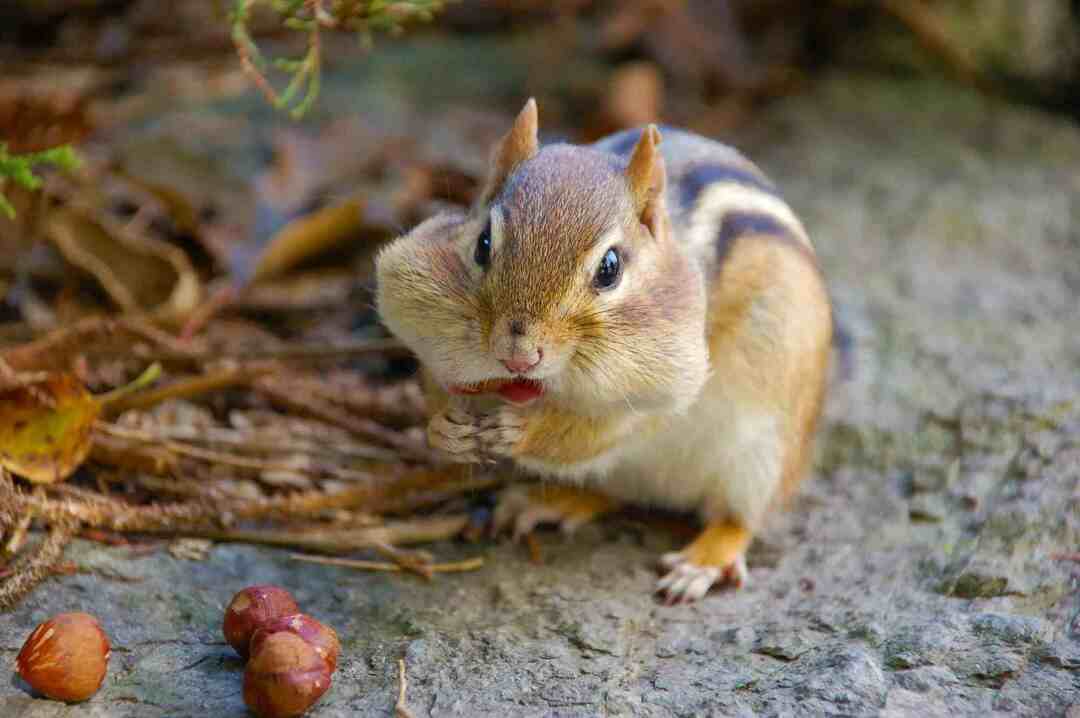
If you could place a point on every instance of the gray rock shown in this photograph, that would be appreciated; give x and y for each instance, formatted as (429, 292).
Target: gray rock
(928, 507)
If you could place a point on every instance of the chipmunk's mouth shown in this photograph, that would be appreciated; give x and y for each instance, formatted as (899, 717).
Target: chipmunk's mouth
(517, 391)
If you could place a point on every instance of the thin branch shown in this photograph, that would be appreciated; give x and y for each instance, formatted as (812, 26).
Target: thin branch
(335, 540)
(277, 390)
(193, 386)
(36, 568)
(401, 708)
(234, 460)
(471, 564)
(56, 349)
(16, 536)
(307, 354)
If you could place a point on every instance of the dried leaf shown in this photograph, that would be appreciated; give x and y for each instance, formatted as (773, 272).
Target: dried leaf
(45, 428)
(309, 235)
(140, 276)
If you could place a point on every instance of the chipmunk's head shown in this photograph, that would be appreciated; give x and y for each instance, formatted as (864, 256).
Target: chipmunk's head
(562, 282)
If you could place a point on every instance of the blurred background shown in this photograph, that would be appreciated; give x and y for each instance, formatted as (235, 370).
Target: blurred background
(187, 172)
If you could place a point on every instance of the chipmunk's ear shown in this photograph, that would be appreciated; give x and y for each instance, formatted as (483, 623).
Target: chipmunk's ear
(519, 144)
(647, 179)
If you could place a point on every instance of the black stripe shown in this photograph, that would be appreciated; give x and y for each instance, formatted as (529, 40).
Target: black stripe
(694, 182)
(625, 143)
(736, 224)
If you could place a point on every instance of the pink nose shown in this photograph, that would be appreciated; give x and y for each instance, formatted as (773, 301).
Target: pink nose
(519, 364)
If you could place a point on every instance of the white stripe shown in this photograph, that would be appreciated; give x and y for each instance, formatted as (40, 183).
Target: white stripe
(720, 198)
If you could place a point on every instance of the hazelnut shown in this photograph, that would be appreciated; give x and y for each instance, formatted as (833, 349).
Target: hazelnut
(66, 657)
(320, 636)
(252, 608)
(285, 677)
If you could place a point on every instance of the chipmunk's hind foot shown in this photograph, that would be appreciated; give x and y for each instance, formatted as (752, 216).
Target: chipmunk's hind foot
(717, 555)
(526, 507)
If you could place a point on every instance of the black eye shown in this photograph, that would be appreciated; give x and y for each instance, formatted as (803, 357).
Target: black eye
(482, 255)
(609, 271)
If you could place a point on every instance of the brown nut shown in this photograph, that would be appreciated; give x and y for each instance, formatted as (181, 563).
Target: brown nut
(320, 636)
(284, 677)
(66, 657)
(251, 609)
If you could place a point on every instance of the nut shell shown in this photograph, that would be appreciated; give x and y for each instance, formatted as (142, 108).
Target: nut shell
(66, 657)
(285, 677)
(320, 636)
(251, 609)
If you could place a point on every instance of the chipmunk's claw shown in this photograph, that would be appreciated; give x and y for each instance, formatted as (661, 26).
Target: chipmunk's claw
(716, 555)
(686, 581)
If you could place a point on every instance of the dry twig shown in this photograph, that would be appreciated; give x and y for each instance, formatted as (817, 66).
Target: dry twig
(401, 708)
(471, 564)
(338, 540)
(278, 391)
(190, 387)
(56, 349)
(33, 570)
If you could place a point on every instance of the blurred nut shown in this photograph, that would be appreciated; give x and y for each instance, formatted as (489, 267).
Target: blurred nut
(251, 609)
(318, 635)
(66, 657)
(284, 677)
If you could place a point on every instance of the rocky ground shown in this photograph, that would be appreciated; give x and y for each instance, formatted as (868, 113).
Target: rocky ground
(925, 569)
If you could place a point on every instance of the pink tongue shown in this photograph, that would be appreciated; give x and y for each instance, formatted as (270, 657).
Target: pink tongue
(520, 390)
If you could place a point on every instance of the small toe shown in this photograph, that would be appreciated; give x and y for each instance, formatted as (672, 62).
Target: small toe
(737, 574)
(672, 559)
(687, 582)
(699, 585)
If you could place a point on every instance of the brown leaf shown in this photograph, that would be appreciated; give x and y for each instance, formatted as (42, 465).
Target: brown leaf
(45, 428)
(140, 275)
(309, 235)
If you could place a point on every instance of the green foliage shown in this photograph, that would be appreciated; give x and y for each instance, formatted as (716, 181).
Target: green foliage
(361, 17)
(20, 168)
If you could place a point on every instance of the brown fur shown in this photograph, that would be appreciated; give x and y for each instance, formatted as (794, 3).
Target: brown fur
(785, 366)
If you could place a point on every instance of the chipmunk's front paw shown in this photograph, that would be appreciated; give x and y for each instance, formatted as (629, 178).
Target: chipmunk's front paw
(718, 554)
(465, 437)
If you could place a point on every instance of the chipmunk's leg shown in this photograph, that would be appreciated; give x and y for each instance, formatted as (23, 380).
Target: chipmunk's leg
(528, 506)
(718, 553)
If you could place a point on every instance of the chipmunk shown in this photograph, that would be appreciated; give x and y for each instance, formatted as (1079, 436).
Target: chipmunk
(639, 321)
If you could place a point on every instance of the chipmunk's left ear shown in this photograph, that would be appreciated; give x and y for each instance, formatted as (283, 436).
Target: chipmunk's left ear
(648, 179)
(519, 144)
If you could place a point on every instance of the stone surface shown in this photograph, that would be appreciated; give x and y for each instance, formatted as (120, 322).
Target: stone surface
(949, 228)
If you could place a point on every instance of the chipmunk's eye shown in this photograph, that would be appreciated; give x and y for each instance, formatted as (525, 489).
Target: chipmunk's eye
(482, 255)
(609, 271)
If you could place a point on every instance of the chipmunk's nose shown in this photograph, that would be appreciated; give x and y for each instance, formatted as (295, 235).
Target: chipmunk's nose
(523, 362)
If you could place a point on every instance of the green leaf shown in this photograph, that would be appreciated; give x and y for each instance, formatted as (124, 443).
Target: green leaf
(19, 168)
